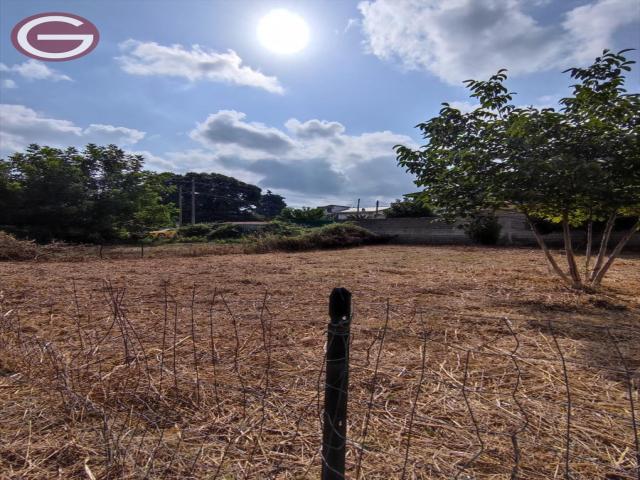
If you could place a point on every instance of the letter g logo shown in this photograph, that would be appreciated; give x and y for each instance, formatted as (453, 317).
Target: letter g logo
(55, 37)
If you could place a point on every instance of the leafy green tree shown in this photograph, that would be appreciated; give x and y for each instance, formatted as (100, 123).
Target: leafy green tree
(99, 194)
(218, 197)
(412, 205)
(271, 205)
(576, 165)
(302, 215)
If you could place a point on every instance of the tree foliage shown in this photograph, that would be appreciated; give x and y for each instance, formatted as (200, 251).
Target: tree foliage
(412, 205)
(218, 197)
(302, 215)
(98, 194)
(270, 205)
(577, 165)
(103, 194)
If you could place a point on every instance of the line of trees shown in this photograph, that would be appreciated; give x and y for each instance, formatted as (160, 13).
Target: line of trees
(103, 194)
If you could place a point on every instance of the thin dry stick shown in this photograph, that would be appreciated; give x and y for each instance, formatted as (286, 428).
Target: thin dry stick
(224, 455)
(152, 457)
(77, 317)
(634, 424)
(195, 460)
(374, 382)
(415, 399)
(266, 342)
(473, 418)
(213, 351)
(236, 355)
(193, 343)
(164, 332)
(567, 472)
(514, 434)
(175, 339)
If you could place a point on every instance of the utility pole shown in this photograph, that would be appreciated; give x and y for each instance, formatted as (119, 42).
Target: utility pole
(377, 204)
(358, 207)
(180, 205)
(193, 200)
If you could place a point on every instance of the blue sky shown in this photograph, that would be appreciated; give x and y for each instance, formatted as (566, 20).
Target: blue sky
(188, 84)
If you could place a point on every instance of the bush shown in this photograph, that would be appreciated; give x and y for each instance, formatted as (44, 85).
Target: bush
(13, 249)
(194, 239)
(332, 236)
(413, 206)
(194, 230)
(224, 232)
(484, 230)
(301, 215)
(281, 229)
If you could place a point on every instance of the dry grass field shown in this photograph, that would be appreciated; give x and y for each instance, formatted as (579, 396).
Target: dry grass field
(470, 363)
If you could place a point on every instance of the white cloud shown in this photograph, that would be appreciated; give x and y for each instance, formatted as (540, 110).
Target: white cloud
(314, 128)
(315, 160)
(8, 83)
(105, 134)
(592, 25)
(464, 106)
(227, 127)
(22, 126)
(150, 58)
(460, 39)
(351, 23)
(34, 70)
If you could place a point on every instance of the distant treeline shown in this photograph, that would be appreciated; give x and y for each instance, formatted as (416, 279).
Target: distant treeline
(103, 194)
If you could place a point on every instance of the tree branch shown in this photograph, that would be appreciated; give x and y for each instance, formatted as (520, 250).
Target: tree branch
(604, 242)
(589, 246)
(547, 253)
(568, 248)
(599, 275)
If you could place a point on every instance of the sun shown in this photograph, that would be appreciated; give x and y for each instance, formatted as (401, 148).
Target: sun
(282, 31)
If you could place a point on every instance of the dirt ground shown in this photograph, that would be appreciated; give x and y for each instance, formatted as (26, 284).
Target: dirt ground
(465, 361)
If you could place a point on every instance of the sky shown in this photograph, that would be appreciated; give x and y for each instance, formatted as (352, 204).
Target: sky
(192, 86)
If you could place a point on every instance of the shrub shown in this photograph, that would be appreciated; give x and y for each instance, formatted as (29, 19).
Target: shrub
(194, 239)
(13, 249)
(413, 206)
(301, 215)
(331, 236)
(282, 229)
(194, 230)
(225, 231)
(484, 230)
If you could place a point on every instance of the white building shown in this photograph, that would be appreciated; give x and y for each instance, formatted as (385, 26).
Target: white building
(333, 209)
(362, 213)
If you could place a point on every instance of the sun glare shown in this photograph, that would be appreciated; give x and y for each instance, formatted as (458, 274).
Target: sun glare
(282, 31)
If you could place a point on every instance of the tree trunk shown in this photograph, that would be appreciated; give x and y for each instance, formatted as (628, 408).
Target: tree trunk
(604, 242)
(547, 254)
(568, 247)
(599, 275)
(587, 254)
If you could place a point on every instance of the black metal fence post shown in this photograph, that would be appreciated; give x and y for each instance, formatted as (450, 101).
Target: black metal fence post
(334, 434)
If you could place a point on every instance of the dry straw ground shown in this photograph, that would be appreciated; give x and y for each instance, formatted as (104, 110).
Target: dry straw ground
(464, 362)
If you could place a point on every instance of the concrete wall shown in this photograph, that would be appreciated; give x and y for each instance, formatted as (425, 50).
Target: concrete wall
(515, 231)
(416, 230)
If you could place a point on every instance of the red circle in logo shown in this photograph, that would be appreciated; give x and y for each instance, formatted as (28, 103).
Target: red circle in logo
(55, 36)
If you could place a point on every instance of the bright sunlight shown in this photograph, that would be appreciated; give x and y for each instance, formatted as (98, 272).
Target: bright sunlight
(282, 31)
